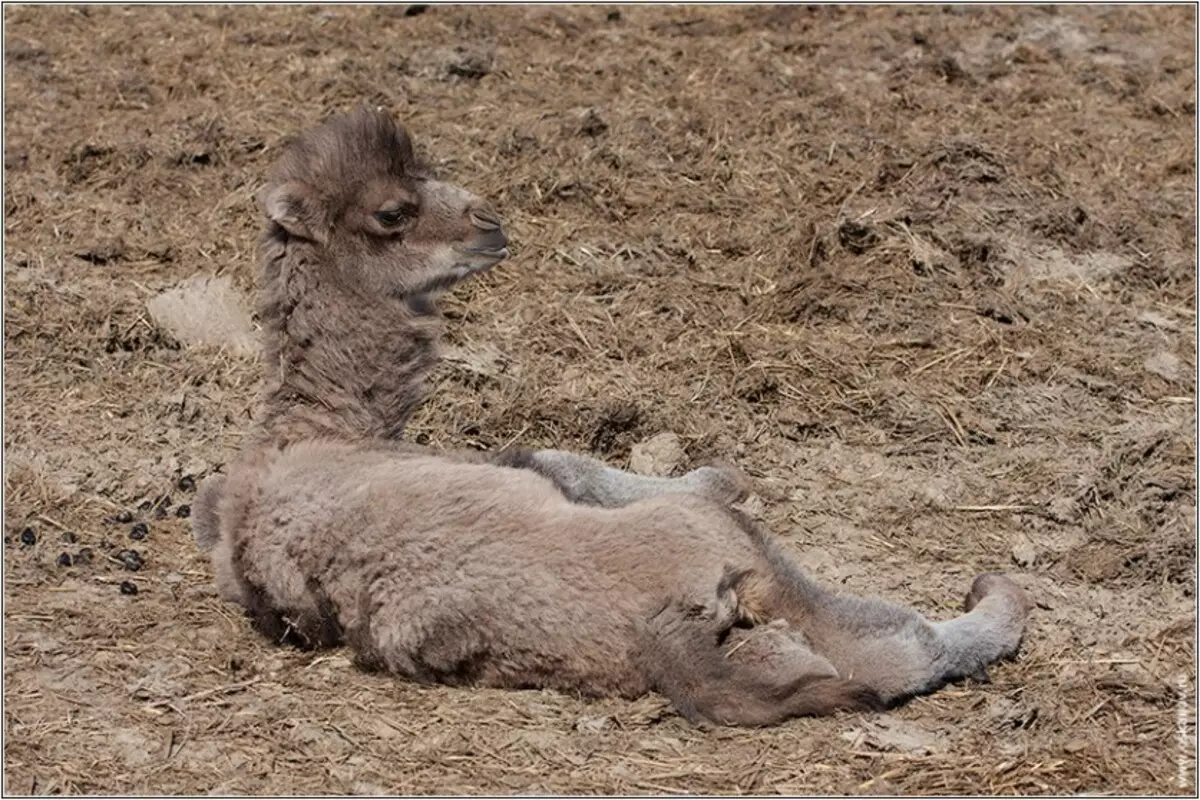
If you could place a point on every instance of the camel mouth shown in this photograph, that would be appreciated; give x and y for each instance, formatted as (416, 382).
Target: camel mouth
(489, 256)
(498, 253)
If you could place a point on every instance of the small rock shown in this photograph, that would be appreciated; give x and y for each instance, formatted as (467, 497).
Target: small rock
(1010, 715)
(659, 455)
(593, 724)
(29, 537)
(184, 511)
(1075, 745)
(482, 359)
(1062, 509)
(173, 578)
(463, 62)
(129, 587)
(206, 311)
(1156, 320)
(64, 560)
(139, 531)
(1165, 365)
(1024, 554)
(899, 736)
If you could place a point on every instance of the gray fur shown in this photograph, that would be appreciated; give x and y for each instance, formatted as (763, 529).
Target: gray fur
(591, 482)
(443, 571)
(519, 569)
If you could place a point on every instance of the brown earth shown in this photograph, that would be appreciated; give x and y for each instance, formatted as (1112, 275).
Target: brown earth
(927, 274)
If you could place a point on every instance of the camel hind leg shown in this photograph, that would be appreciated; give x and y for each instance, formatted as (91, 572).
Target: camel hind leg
(754, 677)
(889, 647)
(898, 652)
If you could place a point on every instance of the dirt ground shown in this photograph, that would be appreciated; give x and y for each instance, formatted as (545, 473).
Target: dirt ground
(926, 274)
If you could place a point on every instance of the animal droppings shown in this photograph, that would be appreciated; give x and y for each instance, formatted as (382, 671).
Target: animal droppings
(162, 507)
(84, 556)
(122, 517)
(187, 484)
(184, 511)
(139, 531)
(131, 559)
(63, 560)
(29, 537)
(68, 537)
(129, 587)
(592, 124)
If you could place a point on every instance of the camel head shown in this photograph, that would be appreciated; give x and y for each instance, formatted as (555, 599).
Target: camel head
(354, 194)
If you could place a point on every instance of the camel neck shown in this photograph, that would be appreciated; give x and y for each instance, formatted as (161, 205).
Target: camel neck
(339, 362)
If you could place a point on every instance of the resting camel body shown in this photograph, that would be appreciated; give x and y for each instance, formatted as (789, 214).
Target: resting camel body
(527, 569)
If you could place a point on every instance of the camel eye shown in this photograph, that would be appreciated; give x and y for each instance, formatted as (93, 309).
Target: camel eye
(392, 217)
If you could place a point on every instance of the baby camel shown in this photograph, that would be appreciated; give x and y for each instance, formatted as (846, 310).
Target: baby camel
(458, 568)
(361, 241)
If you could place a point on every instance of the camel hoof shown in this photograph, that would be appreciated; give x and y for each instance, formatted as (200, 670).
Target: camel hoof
(993, 583)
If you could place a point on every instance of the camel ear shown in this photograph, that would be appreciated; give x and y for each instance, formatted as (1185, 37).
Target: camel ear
(294, 206)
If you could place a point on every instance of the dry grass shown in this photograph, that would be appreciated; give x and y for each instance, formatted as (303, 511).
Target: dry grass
(927, 274)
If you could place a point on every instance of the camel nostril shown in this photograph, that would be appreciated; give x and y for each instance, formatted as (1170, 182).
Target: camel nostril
(484, 220)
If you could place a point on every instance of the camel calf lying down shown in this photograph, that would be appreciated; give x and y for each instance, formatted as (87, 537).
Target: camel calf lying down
(459, 573)
(524, 569)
